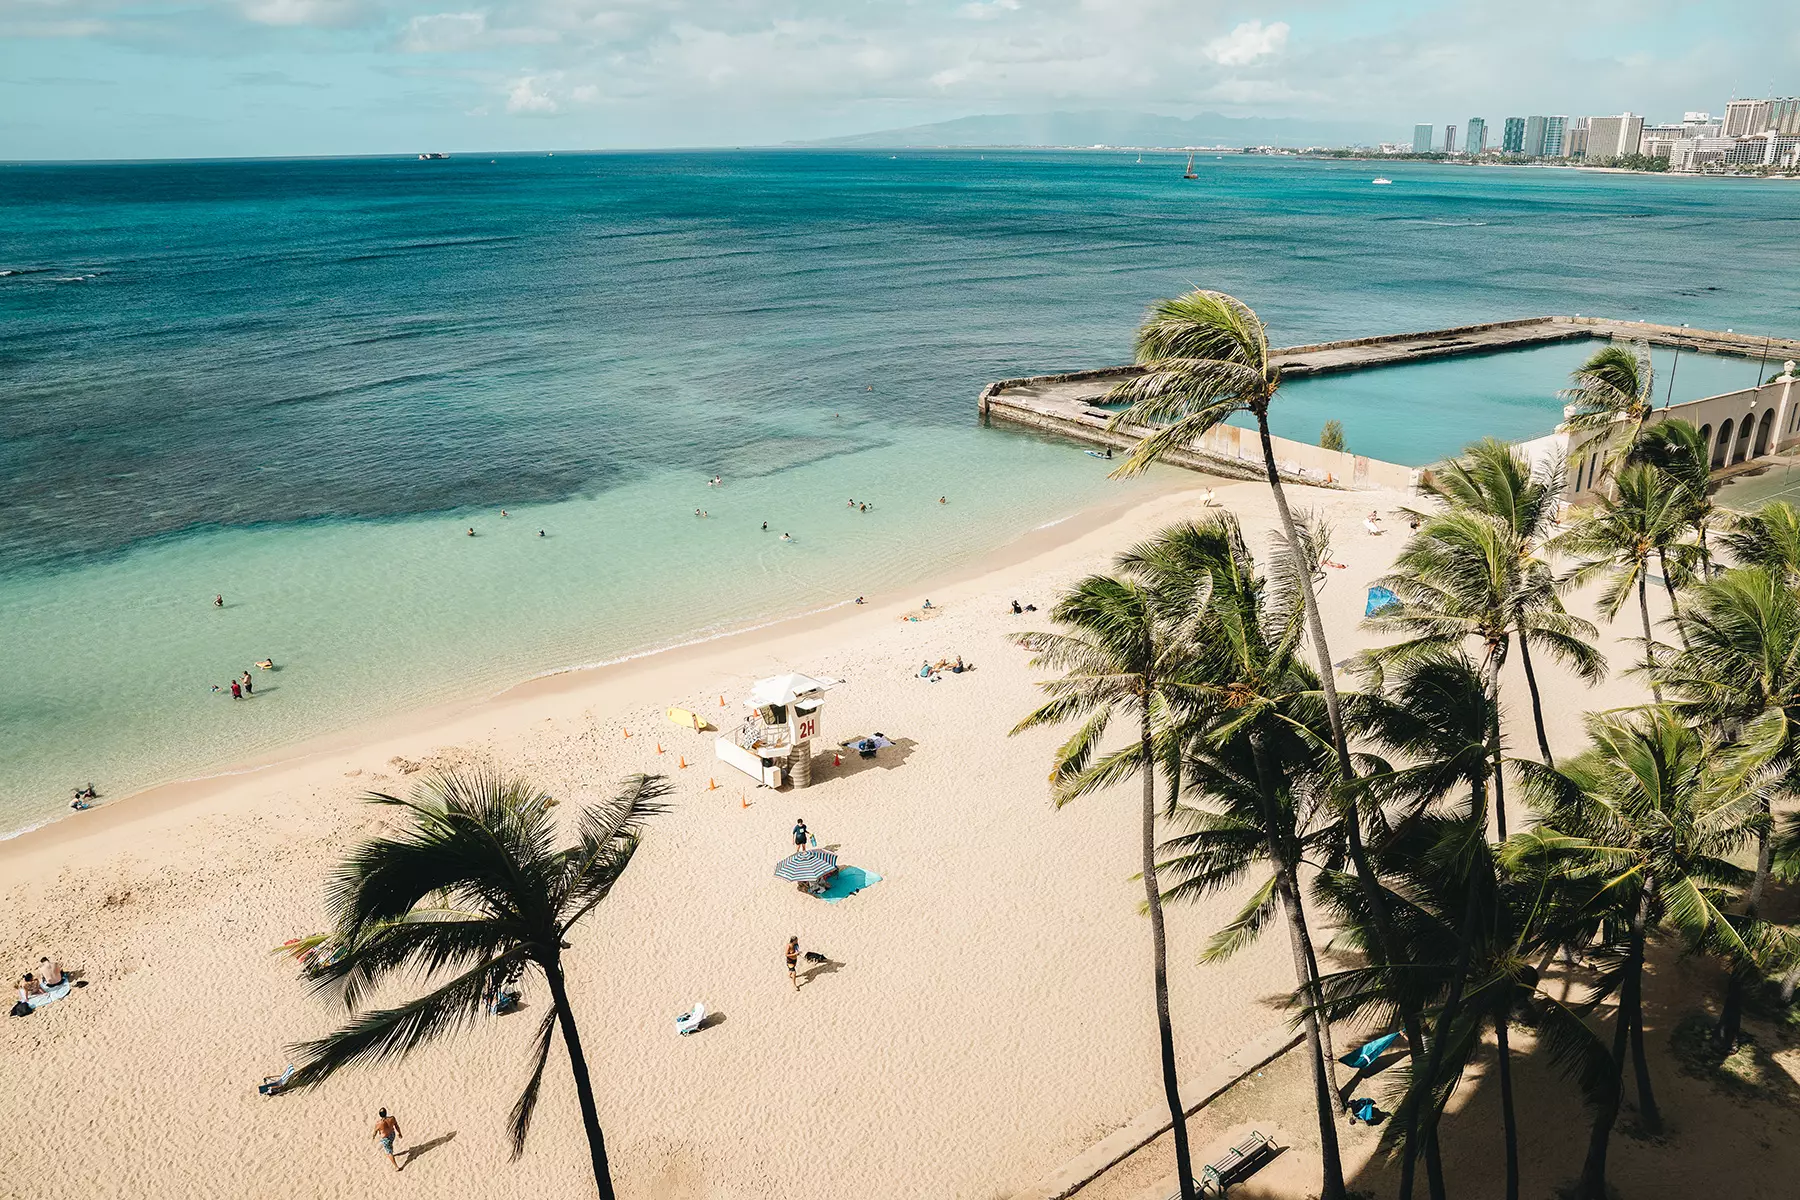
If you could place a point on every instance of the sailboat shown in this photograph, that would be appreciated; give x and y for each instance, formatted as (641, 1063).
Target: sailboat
(1190, 169)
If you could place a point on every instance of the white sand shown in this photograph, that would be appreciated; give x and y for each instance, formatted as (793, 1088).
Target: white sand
(991, 1018)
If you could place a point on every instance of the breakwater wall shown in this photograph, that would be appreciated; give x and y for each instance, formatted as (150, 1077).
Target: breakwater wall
(1068, 403)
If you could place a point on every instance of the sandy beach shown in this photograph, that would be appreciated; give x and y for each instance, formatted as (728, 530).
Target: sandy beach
(989, 1015)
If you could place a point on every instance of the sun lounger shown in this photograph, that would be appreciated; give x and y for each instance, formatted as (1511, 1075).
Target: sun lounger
(689, 1022)
(274, 1085)
(1237, 1163)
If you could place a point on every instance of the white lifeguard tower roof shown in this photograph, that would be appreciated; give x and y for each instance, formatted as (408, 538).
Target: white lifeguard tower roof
(785, 689)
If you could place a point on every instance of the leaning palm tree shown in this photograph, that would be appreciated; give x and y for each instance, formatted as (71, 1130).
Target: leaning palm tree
(1254, 761)
(1768, 538)
(476, 888)
(1492, 480)
(1205, 355)
(1641, 826)
(1615, 387)
(1121, 657)
(1645, 518)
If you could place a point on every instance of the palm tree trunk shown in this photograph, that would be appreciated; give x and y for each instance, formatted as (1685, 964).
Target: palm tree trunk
(1537, 702)
(1496, 657)
(1184, 1165)
(1509, 1125)
(1631, 1004)
(1706, 559)
(1325, 1092)
(1388, 947)
(1731, 1012)
(1662, 560)
(1592, 1185)
(584, 1088)
(1644, 612)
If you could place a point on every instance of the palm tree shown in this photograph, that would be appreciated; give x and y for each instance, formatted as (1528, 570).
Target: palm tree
(1205, 355)
(1462, 577)
(1640, 828)
(1615, 385)
(1261, 767)
(1121, 658)
(1644, 517)
(1768, 538)
(1438, 715)
(475, 885)
(1676, 449)
(1742, 661)
(1491, 480)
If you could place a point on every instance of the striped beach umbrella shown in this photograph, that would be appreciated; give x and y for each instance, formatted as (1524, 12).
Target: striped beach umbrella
(809, 866)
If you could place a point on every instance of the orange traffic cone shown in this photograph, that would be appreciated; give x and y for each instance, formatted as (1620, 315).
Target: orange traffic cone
(684, 762)
(628, 733)
(659, 748)
(721, 702)
(743, 800)
(712, 785)
(837, 760)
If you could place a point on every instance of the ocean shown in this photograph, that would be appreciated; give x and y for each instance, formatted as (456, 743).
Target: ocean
(296, 384)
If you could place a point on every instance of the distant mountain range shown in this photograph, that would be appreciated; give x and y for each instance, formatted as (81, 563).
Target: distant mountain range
(1119, 129)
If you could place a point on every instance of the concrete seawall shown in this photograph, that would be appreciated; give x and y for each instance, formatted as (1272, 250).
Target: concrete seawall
(1066, 404)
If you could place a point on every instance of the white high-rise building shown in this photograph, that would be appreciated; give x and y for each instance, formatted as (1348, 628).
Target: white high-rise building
(1422, 139)
(1614, 137)
(1745, 117)
(1534, 137)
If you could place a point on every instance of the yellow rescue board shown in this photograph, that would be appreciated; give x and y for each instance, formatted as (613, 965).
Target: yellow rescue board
(690, 720)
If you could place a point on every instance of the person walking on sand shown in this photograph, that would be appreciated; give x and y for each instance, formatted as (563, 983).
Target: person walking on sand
(386, 1130)
(800, 835)
(793, 961)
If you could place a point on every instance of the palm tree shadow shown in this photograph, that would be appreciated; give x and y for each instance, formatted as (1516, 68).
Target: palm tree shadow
(413, 1152)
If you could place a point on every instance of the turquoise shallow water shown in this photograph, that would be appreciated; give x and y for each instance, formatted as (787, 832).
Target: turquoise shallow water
(296, 383)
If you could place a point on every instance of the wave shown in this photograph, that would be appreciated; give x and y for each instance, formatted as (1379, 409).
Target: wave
(74, 278)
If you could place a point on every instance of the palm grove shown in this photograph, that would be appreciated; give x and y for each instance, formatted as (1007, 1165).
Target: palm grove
(1382, 814)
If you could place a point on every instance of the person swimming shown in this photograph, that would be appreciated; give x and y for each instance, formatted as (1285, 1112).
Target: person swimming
(471, 531)
(540, 533)
(786, 538)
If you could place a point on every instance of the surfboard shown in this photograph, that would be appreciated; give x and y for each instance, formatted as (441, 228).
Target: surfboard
(690, 720)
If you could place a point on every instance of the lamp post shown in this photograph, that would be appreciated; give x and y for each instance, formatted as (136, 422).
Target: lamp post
(1669, 396)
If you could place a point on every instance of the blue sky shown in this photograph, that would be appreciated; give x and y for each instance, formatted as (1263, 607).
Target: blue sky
(189, 78)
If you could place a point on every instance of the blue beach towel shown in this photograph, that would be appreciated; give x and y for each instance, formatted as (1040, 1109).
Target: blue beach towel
(1363, 1110)
(1380, 599)
(1368, 1052)
(847, 882)
(50, 994)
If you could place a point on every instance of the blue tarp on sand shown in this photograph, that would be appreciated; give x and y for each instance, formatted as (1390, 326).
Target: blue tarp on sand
(1368, 1052)
(1380, 598)
(847, 882)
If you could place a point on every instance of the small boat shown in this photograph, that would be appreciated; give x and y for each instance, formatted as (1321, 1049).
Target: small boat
(1190, 169)
(432, 154)
(1381, 181)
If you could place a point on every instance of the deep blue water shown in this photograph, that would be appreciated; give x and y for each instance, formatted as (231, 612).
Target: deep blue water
(245, 343)
(297, 383)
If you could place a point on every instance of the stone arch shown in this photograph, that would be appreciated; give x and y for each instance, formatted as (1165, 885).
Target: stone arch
(1723, 447)
(1745, 429)
(1706, 435)
(1764, 428)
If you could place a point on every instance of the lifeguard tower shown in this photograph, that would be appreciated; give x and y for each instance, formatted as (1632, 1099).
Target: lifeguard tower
(774, 742)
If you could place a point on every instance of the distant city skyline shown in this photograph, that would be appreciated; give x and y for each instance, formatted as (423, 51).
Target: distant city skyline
(161, 78)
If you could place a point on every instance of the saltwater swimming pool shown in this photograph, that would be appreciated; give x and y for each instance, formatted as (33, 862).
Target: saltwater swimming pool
(1420, 413)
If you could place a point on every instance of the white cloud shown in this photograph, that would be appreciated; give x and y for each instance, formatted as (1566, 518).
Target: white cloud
(523, 96)
(987, 10)
(1247, 43)
(441, 33)
(302, 12)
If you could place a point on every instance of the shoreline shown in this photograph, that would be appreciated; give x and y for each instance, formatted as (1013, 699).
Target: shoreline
(493, 703)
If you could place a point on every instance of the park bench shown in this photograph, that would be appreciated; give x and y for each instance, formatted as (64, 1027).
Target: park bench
(1236, 1164)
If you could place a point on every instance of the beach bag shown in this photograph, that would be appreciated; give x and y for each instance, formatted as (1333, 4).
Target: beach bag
(21, 1009)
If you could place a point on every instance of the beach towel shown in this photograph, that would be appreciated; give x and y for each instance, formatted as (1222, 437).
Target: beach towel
(1366, 1054)
(50, 994)
(1380, 600)
(845, 882)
